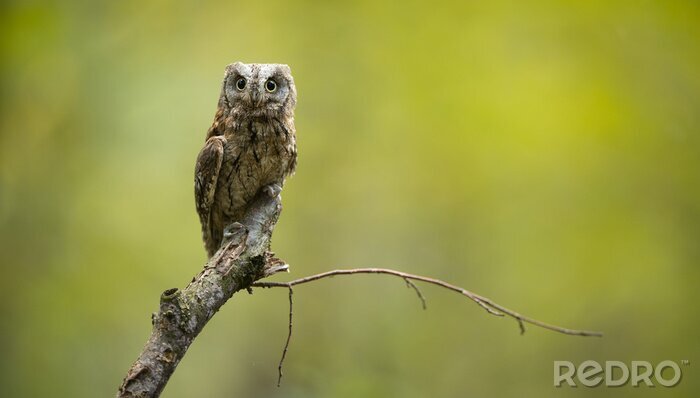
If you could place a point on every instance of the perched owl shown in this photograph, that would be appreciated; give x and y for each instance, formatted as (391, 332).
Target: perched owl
(250, 146)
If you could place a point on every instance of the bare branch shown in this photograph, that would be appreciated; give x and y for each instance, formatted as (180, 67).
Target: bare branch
(486, 303)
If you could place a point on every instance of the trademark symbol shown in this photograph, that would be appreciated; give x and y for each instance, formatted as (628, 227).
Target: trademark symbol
(685, 362)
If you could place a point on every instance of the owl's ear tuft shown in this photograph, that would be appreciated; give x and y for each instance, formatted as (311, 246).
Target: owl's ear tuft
(285, 68)
(235, 68)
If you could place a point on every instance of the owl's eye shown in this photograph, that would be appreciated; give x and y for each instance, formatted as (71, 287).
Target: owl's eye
(270, 86)
(240, 83)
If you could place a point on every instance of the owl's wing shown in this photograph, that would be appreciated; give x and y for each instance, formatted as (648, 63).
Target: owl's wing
(218, 126)
(206, 174)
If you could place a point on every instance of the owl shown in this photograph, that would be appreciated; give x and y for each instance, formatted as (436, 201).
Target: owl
(250, 146)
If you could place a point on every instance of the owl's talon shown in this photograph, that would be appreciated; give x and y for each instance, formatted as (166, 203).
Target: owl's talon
(273, 190)
(233, 230)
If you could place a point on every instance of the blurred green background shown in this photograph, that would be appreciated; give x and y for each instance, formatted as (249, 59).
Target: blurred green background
(544, 155)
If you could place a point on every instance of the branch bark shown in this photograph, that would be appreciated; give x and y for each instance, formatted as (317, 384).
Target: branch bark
(242, 259)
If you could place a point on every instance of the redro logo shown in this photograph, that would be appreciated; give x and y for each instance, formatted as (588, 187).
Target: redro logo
(591, 374)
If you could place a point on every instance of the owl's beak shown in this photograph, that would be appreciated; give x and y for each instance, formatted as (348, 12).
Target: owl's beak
(256, 96)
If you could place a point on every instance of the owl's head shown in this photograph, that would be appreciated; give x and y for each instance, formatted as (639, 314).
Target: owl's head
(258, 89)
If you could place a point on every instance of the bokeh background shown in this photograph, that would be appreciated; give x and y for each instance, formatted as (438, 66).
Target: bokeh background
(544, 155)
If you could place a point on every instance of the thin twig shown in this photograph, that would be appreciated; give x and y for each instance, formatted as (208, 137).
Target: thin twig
(286, 344)
(486, 303)
(418, 292)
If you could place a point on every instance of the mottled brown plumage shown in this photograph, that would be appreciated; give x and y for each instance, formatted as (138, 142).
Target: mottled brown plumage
(250, 146)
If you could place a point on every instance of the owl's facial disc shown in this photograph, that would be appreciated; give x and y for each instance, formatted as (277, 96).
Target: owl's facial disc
(259, 88)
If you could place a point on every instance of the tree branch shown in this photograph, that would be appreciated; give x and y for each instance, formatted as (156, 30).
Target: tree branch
(242, 259)
(485, 303)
